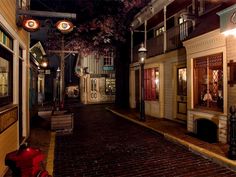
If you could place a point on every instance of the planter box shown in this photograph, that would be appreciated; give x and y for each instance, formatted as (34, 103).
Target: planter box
(62, 122)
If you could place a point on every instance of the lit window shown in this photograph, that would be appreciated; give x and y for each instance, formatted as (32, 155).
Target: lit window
(182, 81)
(6, 71)
(208, 82)
(160, 31)
(93, 84)
(108, 58)
(181, 20)
(110, 86)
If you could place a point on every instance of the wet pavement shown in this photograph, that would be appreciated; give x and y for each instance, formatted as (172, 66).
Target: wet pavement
(103, 144)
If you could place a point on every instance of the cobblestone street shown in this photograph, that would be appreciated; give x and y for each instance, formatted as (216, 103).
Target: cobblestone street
(103, 144)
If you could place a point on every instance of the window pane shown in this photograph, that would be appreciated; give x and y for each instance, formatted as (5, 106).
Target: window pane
(182, 81)
(208, 82)
(110, 85)
(6, 39)
(4, 77)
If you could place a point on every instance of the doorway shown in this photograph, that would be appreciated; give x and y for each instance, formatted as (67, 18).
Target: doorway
(94, 89)
(20, 103)
(181, 97)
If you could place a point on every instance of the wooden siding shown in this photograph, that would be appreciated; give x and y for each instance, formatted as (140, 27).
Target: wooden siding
(8, 11)
(169, 89)
(155, 46)
(94, 66)
(231, 53)
(8, 143)
(9, 138)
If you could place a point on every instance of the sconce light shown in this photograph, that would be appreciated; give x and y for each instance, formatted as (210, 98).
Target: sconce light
(44, 62)
(30, 24)
(64, 26)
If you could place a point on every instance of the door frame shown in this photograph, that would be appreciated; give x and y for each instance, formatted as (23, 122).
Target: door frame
(177, 115)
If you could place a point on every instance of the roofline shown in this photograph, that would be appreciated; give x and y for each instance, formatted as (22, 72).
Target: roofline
(38, 44)
(149, 11)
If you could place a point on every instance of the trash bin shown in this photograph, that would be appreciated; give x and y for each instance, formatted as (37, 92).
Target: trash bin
(26, 162)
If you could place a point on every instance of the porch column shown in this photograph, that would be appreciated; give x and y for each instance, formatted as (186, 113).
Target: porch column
(132, 46)
(62, 84)
(165, 42)
(145, 34)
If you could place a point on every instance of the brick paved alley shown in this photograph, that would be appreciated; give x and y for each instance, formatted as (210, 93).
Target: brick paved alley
(103, 144)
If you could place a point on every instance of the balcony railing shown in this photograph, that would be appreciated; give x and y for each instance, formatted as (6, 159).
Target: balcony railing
(174, 38)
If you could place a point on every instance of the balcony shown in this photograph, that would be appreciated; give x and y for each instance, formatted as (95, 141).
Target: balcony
(174, 38)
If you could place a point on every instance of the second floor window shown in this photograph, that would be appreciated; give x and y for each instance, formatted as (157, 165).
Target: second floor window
(151, 84)
(108, 58)
(160, 31)
(208, 82)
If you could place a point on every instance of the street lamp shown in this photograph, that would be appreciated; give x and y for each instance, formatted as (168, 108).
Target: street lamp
(44, 62)
(142, 52)
(57, 99)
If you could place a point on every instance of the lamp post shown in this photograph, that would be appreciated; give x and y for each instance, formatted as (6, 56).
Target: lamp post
(57, 100)
(142, 52)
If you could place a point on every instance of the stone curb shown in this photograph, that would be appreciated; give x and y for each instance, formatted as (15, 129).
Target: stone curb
(50, 157)
(195, 149)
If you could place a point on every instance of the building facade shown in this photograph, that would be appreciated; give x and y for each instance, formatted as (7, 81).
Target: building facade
(162, 28)
(186, 71)
(97, 77)
(14, 71)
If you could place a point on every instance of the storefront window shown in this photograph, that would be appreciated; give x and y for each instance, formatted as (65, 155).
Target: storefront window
(151, 84)
(5, 76)
(4, 73)
(110, 86)
(208, 82)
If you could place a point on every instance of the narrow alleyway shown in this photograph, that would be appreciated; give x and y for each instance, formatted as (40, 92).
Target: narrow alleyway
(103, 144)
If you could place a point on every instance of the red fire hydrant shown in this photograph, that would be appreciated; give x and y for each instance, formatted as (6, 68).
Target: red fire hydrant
(26, 162)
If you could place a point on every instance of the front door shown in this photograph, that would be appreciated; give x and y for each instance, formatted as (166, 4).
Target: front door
(94, 89)
(181, 93)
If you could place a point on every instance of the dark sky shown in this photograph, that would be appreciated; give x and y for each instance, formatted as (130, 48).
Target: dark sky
(85, 9)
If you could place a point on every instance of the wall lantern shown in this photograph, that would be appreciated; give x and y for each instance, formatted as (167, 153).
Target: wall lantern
(44, 62)
(64, 26)
(30, 24)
